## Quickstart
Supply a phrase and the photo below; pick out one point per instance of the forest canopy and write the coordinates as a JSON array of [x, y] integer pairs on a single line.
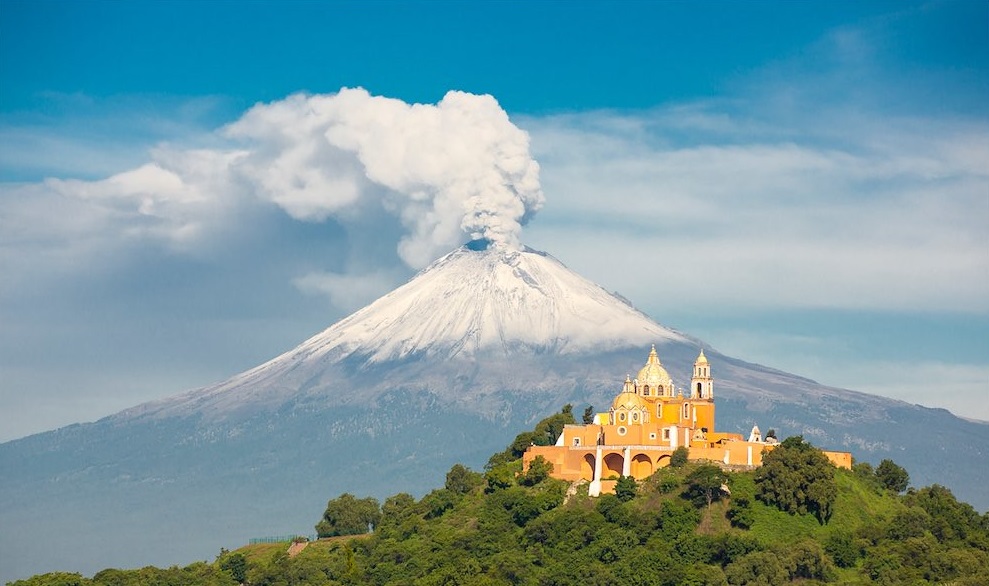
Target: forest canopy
[[795, 520]]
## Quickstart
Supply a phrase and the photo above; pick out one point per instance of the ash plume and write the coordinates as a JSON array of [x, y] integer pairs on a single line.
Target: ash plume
[[451, 172], [457, 170]]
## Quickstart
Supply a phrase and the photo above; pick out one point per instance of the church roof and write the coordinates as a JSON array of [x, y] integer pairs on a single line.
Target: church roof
[[629, 401], [653, 373]]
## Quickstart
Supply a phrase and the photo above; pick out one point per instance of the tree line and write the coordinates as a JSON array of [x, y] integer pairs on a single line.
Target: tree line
[[797, 519]]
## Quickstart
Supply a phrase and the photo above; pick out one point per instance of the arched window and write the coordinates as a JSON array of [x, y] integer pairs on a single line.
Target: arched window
[[700, 391], [645, 390]]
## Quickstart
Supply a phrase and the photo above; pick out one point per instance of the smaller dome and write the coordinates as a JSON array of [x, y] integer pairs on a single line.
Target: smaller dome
[[629, 401], [701, 359]]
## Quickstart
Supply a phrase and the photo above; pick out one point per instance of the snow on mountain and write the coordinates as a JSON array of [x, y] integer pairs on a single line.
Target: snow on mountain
[[494, 299], [477, 301]]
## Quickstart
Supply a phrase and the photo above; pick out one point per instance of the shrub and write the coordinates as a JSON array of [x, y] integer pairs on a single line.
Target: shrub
[[625, 488]]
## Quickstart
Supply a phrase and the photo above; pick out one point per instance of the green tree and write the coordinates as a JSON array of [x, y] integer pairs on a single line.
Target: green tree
[[525, 505], [679, 457], [740, 512], [539, 470], [348, 515], [676, 517], [797, 478], [806, 559], [588, 415], [892, 476], [501, 476], [438, 502], [397, 507], [545, 433], [548, 430], [461, 479], [910, 522], [235, 564], [704, 485], [625, 488], [842, 548], [951, 520], [867, 474], [760, 568]]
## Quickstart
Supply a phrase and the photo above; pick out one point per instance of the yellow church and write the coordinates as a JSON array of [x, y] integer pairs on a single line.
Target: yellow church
[[648, 420]]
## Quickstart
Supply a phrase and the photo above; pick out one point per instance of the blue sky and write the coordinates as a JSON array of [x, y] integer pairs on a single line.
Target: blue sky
[[800, 184]]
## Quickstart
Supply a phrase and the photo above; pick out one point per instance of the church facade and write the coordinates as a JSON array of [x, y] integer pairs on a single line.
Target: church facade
[[647, 421]]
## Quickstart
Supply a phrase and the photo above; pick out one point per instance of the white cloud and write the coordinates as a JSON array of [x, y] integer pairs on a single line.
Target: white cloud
[[892, 217], [961, 388], [348, 292], [449, 172], [459, 167]]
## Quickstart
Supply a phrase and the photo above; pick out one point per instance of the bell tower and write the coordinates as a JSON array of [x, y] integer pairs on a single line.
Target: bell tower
[[701, 384]]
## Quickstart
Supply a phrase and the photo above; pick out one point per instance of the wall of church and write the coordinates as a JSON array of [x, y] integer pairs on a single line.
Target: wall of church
[[638, 435]]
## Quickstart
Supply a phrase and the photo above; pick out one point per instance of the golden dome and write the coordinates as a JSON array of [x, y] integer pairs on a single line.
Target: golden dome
[[653, 373], [629, 401], [701, 359]]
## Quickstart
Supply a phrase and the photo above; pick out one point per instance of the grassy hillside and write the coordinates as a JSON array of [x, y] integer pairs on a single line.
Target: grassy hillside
[[677, 527]]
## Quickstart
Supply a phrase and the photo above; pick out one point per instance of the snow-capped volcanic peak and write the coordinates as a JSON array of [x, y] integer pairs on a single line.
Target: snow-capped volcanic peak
[[491, 302], [490, 299]]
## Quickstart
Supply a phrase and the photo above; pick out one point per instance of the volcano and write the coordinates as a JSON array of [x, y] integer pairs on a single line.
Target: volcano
[[447, 368]]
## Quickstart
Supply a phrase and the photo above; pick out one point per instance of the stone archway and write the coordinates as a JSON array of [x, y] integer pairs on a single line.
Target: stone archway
[[587, 467], [641, 466], [613, 465], [662, 462]]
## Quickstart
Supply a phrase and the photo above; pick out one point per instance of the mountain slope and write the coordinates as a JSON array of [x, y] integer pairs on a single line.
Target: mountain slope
[[473, 305], [447, 368]]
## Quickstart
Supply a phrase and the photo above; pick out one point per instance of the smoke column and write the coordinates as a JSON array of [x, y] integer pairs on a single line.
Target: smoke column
[[454, 171]]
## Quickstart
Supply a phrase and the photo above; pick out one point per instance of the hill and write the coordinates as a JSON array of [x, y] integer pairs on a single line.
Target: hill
[[676, 527]]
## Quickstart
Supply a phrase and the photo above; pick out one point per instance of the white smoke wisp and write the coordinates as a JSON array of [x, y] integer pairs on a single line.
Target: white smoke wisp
[[458, 170]]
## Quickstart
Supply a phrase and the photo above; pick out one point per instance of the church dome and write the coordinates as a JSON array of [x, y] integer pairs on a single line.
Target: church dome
[[628, 401], [653, 373], [701, 359]]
